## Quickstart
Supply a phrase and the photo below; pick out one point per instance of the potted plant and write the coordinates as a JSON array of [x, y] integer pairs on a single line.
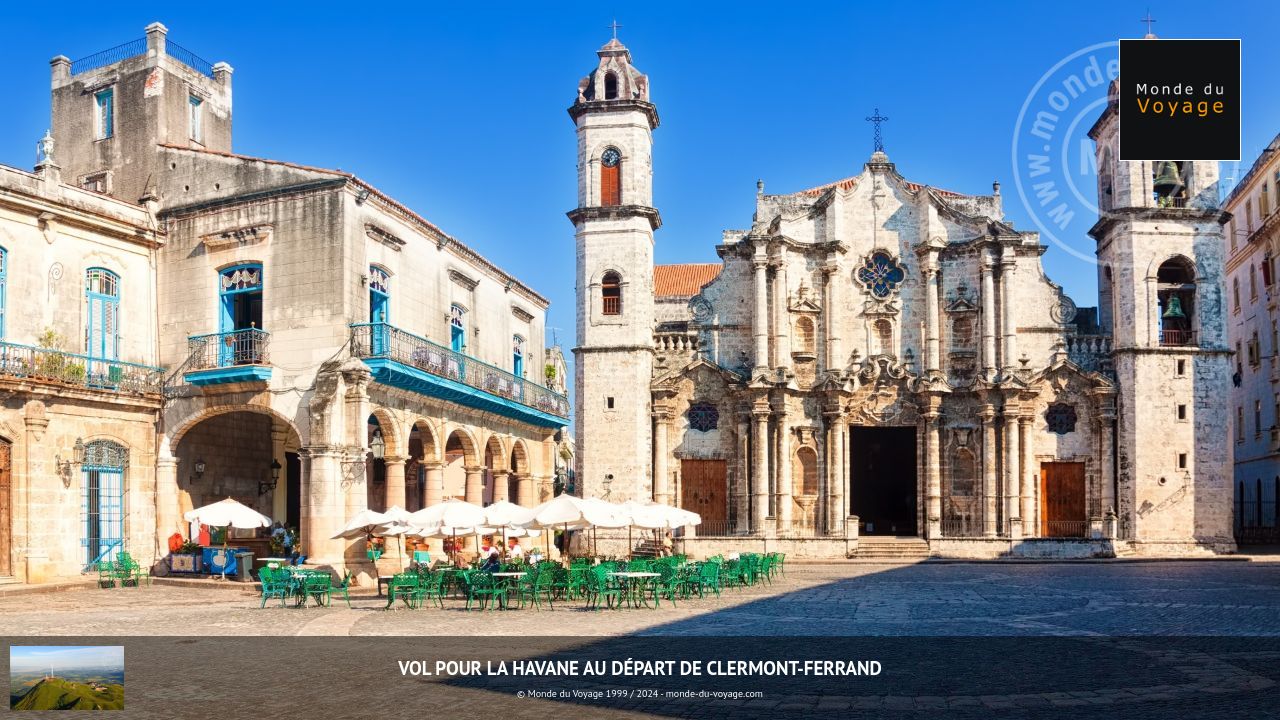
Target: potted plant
[[187, 558]]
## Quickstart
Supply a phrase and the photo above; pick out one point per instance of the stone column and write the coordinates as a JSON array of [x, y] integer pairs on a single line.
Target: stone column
[[837, 511], [1013, 490], [168, 518], [434, 490], [501, 485], [323, 505], [782, 481], [989, 363], [742, 481], [760, 319], [394, 487], [280, 494], [1029, 480], [1106, 466], [932, 357], [830, 304], [990, 499], [525, 491], [781, 313], [661, 476], [933, 470], [1008, 266], [473, 491], [759, 470], [25, 502]]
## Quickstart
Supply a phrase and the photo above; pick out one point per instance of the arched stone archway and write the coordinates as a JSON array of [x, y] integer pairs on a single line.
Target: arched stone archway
[[424, 467], [521, 482], [497, 473], [463, 473]]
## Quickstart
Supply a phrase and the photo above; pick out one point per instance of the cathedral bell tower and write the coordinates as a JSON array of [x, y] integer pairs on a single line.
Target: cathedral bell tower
[[1161, 286], [614, 223]]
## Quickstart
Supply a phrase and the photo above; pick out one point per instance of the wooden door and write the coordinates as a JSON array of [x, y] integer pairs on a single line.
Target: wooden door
[[704, 489], [6, 511], [1062, 500]]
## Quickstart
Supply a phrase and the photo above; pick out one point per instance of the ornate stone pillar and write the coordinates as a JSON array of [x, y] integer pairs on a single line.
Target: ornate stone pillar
[[661, 476], [836, 510], [434, 491], [1030, 528], [932, 331], [990, 499], [759, 470], [394, 486], [760, 319], [782, 482], [742, 479], [26, 506], [280, 494], [781, 313], [830, 308], [1008, 266], [525, 491], [989, 363], [501, 485], [1106, 465], [168, 518], [473, 491], [1013, 488], [933, 469]]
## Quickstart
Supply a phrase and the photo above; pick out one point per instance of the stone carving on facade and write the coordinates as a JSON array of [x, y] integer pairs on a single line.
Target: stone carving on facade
[[700, 308], [1063, 311]]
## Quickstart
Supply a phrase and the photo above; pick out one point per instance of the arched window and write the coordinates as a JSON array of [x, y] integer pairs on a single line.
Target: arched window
[[458, 328], [805, 481], [610, 86], [611, 293], [102, 326], [102, 501], [883, 332], [804, 336], [1176, 290], [610, 177], [517, 356], [379, 308]]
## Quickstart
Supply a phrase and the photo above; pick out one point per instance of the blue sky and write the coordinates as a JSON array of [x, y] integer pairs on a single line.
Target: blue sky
[[459, 112], [64, 657]]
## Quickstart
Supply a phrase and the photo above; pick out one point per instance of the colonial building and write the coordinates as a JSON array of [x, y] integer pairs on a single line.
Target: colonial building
[[878, 357], [78, 372], [1253, 242], [326, 348]]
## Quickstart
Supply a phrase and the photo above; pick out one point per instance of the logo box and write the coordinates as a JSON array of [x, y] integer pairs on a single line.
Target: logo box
[[1179, 99]]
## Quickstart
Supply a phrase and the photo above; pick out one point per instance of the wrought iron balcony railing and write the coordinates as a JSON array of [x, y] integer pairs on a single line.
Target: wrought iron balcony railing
[[1177, 337], [63, 368], [381, 340], [137, 48], [229, 349]]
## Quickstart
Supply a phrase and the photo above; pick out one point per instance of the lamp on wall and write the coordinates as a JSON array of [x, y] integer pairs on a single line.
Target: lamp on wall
[[66, 468], [378, 445], [198, 469], [265, 487]]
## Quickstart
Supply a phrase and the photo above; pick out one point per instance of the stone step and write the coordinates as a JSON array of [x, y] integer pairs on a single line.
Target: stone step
[[892, 548], [8, 580]]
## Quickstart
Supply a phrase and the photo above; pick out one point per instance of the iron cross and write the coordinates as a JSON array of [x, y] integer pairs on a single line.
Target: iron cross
[[614, 26], [877, 119]]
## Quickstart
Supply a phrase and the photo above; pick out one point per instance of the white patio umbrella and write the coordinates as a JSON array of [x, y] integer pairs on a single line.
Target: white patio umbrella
[[450, 513], [396, 530], [227, 513], [361, 524], [569, 511], [505, 515]]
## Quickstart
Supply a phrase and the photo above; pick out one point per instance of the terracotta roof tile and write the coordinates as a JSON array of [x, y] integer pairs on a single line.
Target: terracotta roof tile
[[683, 280]]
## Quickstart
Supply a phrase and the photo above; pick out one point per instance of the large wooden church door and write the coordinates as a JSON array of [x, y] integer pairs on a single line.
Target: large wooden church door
[[1062, 500], [6, 510], [704, 489]]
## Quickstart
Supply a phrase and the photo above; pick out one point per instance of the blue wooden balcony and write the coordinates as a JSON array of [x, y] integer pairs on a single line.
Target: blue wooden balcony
[[407, 361], [55, 367], [229, 357]]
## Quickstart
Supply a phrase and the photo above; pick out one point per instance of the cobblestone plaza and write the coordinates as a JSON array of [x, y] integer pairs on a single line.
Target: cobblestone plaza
[[1233, 598]]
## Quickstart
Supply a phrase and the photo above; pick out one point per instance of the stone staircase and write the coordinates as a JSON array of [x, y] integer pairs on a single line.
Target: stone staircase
[[889, 548], [8, 580]]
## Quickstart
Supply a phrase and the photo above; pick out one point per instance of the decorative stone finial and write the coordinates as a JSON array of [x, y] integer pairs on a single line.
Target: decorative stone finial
[[44, 151]]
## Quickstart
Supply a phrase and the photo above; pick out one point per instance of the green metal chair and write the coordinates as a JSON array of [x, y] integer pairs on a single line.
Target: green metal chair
[[317, 586], [407, 586], [601, 587], [275, 583], [485, 590], [107, 574], [666, 585]]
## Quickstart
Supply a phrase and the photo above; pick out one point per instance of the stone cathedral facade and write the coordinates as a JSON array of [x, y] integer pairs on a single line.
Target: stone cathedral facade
[[877, 360]]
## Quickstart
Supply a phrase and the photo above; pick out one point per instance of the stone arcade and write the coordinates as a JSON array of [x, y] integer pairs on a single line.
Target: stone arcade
[[876, 359]]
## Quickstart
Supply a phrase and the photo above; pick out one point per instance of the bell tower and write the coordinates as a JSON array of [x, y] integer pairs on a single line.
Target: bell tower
[[1161, 285], [614, 223]]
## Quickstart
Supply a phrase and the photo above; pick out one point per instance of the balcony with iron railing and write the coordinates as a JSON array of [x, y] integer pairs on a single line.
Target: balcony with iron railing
[[58, 368], [138, 48], [229, 357], [1177, 338], [410, 362]]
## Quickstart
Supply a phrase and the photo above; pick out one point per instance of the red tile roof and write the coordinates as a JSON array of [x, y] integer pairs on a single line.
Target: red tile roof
[[850, 183], [683, 280]]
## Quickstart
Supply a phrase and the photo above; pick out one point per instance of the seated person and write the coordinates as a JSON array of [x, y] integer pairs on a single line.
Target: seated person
[[490, 563], [515, 553]]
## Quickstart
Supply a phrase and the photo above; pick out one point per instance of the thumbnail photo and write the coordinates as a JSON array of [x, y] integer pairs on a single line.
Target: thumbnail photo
[[66, 677]]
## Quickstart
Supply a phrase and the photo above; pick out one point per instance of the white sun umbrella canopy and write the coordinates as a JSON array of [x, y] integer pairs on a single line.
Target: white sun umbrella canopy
[[450, 514], [228, 513], [649, 516], [507, 513], [395, 513], [576, 513], [363, 523]]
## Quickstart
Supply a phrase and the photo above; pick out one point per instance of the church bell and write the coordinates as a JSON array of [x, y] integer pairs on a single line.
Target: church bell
[[1174, 310], [1168, 178]]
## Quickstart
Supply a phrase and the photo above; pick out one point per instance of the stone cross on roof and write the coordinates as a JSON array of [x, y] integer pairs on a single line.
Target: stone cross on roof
[[614, 26]]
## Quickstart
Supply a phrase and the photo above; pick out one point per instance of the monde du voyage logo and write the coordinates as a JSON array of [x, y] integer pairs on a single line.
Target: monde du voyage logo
[[1179, 99]]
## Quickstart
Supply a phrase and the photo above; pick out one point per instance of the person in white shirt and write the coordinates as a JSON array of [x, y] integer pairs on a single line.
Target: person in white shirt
[[514, 551]]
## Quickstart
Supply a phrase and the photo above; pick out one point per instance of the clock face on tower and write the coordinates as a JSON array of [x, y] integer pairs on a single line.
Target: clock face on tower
[[610, 157]]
